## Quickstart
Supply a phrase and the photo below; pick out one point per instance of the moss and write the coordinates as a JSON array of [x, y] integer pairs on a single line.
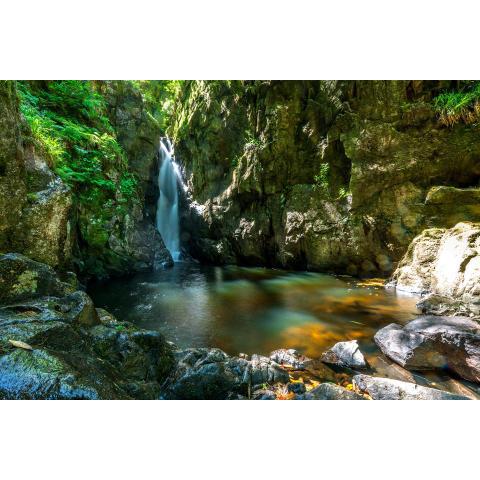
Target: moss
[[32, 197], [26, 283]]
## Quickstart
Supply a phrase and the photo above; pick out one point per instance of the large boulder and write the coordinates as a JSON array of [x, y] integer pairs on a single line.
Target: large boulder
[[40, 374], [432, 342], [444, 262], [46, 353], [45, 230], [388, 389]]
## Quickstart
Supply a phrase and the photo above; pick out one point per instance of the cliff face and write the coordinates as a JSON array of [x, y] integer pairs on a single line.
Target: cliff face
[[324, 175], [35, 205], [47, 220]]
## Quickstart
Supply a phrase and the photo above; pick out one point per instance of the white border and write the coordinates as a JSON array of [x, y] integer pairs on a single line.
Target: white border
[[301, 39], [257, 39]]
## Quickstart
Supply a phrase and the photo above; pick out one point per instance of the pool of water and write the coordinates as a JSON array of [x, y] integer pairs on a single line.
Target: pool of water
[[255, 310]]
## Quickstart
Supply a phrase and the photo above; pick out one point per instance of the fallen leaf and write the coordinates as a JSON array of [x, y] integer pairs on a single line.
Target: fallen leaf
[[20, 344]]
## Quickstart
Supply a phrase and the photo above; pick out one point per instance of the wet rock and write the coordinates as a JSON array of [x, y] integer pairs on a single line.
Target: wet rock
[[22, 278], [384, 367], [40, 374], [345, 354], [431, 342], [264, 370], [203, 373], [296, 387], [454, 386], [76, 352], [209, 373], [387, 389], [290, 357], [330, 391], [141, 355], [321, 372], [263, 394], [79, 309], [439, 305], [76, 356]]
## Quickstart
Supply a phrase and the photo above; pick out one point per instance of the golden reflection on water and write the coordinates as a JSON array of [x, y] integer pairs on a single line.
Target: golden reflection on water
[[312, 339], [256, 310]]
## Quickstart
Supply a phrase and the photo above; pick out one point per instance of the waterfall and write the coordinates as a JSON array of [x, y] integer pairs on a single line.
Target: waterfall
[[168, 223]]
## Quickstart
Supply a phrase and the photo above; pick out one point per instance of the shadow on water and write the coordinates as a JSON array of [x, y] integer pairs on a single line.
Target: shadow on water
[[254, 310]]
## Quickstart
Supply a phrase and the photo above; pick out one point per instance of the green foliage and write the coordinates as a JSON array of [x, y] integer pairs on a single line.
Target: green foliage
[[252, 141], [321, 180], [462, 105], [68, 123], [343, 193], [159, 97]]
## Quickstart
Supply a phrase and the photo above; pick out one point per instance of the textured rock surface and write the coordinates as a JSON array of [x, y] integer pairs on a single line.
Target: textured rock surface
[[22, 278], [55, 345], [34, 204], [13, 190], [345, 354], [320, 175], [290, 357], [431, 342], [330, 391], [209, 373], [446, 263], [387, 389]]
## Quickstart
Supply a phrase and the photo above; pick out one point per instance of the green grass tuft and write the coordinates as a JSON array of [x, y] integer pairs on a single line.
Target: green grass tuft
[[459, 106]]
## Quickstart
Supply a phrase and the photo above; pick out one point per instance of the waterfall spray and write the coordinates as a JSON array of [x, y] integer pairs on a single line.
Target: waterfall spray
[[168, 222]]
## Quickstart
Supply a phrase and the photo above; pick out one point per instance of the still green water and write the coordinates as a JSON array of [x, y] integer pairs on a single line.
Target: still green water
[[255, 310]]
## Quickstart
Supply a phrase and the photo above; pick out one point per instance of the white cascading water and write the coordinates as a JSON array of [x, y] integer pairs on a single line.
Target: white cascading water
[[168, 222]]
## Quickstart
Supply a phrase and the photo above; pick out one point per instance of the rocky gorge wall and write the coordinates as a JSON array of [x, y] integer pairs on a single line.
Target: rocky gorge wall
[[34, 203], [44, 218], [323, 175]]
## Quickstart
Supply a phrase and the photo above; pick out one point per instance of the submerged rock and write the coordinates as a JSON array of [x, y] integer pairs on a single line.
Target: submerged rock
[[345, 354], [330, 391], [388, 389], [431, 342]]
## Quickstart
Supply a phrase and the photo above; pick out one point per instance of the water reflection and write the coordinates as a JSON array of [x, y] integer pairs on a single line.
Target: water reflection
[[255, 310]]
